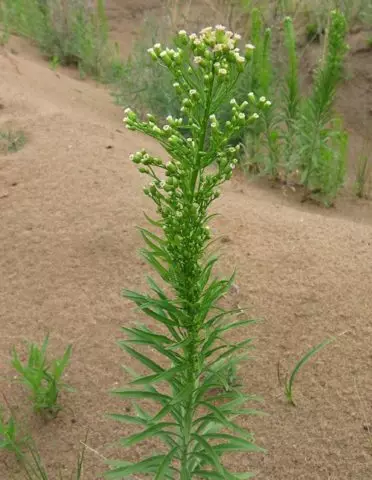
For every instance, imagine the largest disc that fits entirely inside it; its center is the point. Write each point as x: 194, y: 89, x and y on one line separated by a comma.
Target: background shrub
x: 71, y: 32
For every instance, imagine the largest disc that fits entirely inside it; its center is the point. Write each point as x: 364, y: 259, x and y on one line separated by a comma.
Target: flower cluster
x: 185, y: 186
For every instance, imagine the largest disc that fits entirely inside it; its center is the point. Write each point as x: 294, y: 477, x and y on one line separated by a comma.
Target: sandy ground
x: 69, y: 204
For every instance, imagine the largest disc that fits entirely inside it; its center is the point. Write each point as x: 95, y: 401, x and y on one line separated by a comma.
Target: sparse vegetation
x: 28, y: 455
x: 322, y: 142
x: 11, y: 140
x: 69, y: 32
x: 301, y: 134
x: 42, y: 377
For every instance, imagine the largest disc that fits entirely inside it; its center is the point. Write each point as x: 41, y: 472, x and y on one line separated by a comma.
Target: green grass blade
x: 303, y: 361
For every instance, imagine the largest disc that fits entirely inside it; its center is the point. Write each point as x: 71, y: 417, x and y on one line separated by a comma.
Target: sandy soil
x: 69, y: 204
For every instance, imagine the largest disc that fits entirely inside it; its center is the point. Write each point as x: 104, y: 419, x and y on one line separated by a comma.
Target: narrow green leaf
x: 149, y: 465
x: 164, y: 466
x: 154, y: 430
x: 142, y: 358
x: 128, y: 419
x: 210, y: 451
x: 137, y: 394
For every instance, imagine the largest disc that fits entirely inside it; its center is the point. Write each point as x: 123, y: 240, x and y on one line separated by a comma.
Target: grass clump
x: 43, y: 378
x: 69, y: 32
x: 11, y: 140
x: 298, y: 138
x: 195, y: 400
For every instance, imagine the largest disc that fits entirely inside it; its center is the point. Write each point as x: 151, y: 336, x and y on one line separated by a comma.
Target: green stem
x: 204, y: 128
x: 191, y: 351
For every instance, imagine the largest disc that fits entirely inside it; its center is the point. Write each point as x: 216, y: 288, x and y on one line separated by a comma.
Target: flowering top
x: 205, y: 68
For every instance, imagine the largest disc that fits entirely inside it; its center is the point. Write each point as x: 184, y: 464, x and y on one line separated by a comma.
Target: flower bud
x: 249, y: 49
x: 252, y: 97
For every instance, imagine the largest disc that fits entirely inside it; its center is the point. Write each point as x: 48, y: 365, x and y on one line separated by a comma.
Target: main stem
x: 192, y: 350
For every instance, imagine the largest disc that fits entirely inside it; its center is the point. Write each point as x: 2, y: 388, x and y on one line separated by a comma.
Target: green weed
x: 43, y: 378
x: 288, y: 388
x: 9, y: 435
x: 258, y: 79
x: 322, y: 142
x: 191, y: 386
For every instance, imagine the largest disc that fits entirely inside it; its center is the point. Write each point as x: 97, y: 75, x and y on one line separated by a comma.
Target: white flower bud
x: 220, y: 28
x: 262, y: 99
x: 222, y: 71
x: 198, y: 60
x: 249, y: 46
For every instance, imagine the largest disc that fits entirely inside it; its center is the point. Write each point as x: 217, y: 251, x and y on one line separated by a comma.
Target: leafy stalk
x: 291, y: 95
x: 317, y: 139
x: 197, y: 358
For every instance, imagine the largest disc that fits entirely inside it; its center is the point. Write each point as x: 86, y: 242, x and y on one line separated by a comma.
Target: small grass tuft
x: 41, y: 377
x: 11, y: 140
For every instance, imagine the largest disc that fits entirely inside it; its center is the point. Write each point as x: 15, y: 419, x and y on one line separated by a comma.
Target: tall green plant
x: 322, y: 148
x: 290, y: 96
x: 259, y: 80
x: 194, y: 415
